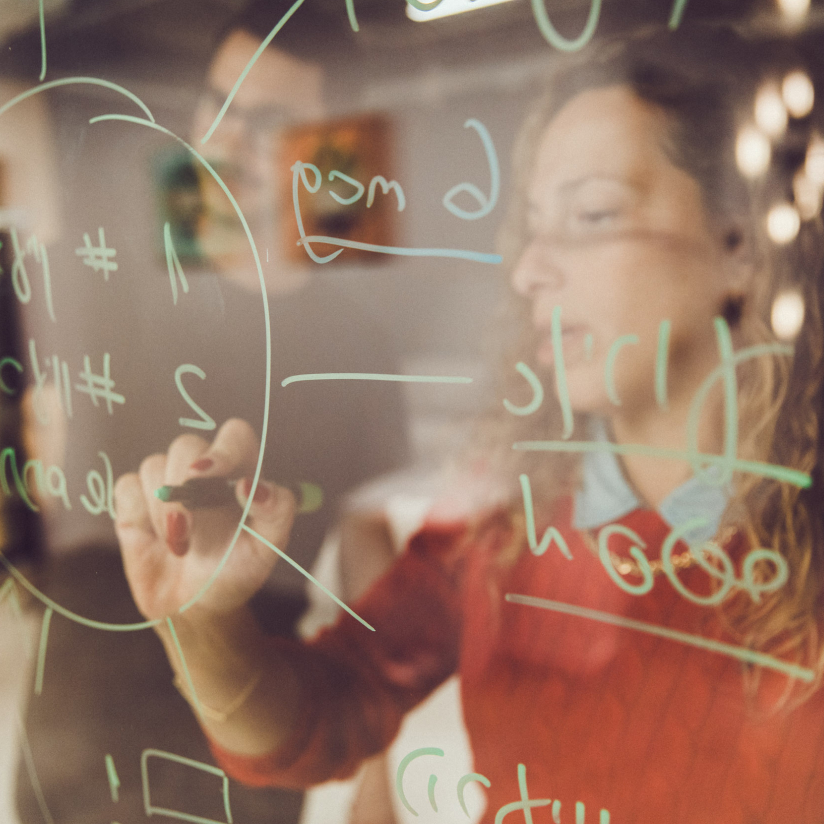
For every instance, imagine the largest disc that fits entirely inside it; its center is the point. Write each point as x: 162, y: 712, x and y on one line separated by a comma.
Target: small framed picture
x: 355, y: 200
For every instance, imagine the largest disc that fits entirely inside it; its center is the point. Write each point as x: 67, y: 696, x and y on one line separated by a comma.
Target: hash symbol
x: 99, y: 385
x: 98, y: 257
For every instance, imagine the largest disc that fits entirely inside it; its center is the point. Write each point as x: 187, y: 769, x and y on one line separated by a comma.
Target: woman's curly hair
x: 704, y: 79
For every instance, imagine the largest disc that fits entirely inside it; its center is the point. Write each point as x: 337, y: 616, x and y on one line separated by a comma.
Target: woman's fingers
x: 136, y: 532
x: 183, y: 452
x: 131, y: 506
x: 171, y: 551
x: 232, y: 454
x: 153, y: 474
x: 272, y: 511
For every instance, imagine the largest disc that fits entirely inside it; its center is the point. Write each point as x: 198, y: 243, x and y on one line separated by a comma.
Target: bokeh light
x: 783, y: 223
x: 770, y: 111
x: 787, y: 314
x: 798, y: 93
x: 814, y: 162
x: 794, y: 10
x: 807, y: 195
x: 752, y: 151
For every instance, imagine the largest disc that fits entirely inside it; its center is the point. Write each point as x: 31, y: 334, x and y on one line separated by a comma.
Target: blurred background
x: 90, y: 358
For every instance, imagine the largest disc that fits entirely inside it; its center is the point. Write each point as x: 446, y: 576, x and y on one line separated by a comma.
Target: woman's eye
x: 601, y: 219
x: 599, y: 205
x: 597, y: 216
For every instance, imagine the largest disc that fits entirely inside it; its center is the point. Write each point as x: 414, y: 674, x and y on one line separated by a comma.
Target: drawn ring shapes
x: 149, y: 122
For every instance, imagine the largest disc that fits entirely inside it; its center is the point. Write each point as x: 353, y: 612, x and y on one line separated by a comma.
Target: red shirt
x: 650, y: 729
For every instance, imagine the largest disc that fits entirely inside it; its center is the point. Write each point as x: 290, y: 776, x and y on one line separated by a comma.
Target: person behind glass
x: 333, y: 435
x: 631, y: 213
x: 281, y: 89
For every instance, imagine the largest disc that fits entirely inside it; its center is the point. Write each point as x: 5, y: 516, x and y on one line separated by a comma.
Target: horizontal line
x: 181, y: 759
x: 732, y: 650
x: 72, y: 616
x: 409, y: 251
x: 371, y: 376
x: 767, y: 470
x: 302, y: 571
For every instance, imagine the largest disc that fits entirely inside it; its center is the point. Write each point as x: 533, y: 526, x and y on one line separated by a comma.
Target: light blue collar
x: 606, y: 496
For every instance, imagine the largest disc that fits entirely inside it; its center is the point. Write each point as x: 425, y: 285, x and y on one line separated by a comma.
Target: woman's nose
x: 536, y: 269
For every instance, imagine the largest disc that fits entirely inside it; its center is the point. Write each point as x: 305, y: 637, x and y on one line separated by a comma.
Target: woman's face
x: 620, y: 240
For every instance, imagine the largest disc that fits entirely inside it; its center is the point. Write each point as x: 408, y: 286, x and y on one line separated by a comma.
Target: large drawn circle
x: 149, y: 122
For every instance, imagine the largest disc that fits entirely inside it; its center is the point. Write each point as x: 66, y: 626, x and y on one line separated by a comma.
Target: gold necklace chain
x: 626, y: 566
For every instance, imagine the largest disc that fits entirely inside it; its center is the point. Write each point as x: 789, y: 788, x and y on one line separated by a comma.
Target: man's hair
x: 311, y: 33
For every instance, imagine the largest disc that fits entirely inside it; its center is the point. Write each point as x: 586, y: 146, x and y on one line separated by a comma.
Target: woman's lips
x: 573, y: 344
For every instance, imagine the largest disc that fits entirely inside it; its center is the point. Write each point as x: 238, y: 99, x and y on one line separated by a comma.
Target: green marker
x: 205, y: 493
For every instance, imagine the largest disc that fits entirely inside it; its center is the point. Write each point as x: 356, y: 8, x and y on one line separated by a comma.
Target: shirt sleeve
x: 357, y: 684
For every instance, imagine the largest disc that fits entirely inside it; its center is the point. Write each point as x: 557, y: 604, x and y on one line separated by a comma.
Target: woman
x: 605, y: 666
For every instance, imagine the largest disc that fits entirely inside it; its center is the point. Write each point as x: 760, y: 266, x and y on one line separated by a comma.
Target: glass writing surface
x: 411, y: 411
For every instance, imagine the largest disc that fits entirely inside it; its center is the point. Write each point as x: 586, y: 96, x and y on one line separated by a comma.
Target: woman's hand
x: 245, y: 699
x: 170, y: 553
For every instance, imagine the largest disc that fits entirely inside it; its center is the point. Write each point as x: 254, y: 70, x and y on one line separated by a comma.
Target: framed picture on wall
x: 356, y: 198
x: 179, y: 204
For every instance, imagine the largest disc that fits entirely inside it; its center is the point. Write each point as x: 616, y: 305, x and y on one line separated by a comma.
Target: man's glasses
x: 262, y: 120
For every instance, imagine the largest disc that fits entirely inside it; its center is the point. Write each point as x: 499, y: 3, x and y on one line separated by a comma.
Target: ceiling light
x: 798, y: 93
x: 752, y: 152
x: 814, y: 162
x: 770, y: 113
x: 807, y: 196
x: 794, y: 10
x: 448, y: 7
x: 787, y: 314
x: 783, y: 223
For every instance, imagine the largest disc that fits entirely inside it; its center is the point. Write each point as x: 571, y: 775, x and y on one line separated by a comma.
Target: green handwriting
x: 550, y: 533
x: 485, y: 204
x: 308, y: 576
x: 111, y: 774
x: 173, y: 264
x: 41, y: 651
x: 740, y: 653
x: 266, y: 322
x: 371, y: 376
x: 609, y: 366
x: 537, y: 393
x: 188, y: 762
x: 766, y: 470
x: 280, y: 24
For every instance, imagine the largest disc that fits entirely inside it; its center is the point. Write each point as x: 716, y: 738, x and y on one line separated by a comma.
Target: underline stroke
x: 372, y: 376
x: 409, y: 251
x: 741, y: 653
x: 766, y: 470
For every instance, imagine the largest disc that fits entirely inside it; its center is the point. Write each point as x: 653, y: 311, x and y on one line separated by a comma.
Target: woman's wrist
x: 243, y: 694
x: 214, y: 655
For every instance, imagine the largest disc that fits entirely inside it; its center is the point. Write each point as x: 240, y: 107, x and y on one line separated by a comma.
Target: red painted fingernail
x: 202, y: 465
x: 177, y: 533
x: 245, y: 487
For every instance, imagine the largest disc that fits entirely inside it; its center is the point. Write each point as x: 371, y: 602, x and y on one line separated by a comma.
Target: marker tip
x: 163, y: 493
